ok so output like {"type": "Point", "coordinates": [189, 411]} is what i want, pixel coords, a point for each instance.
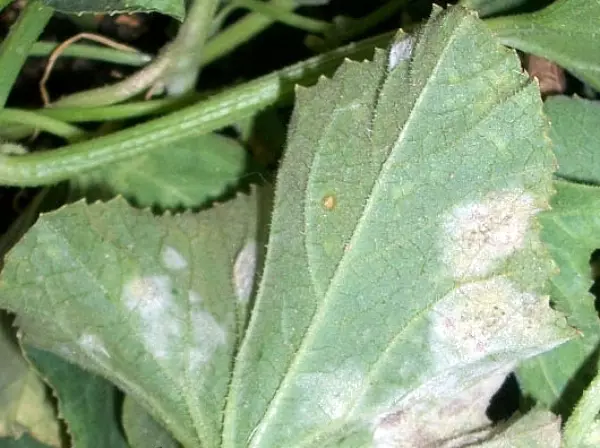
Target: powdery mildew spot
{"type": "Point", "coordinates": [170, 329]}
{"type": "Point", "coordinates": [93, 346]}
{"type": "Point", "coordinates": [172, 259]}
{"type": "Point", "coordinates": [207, 337]}
{"type": "Point", "coordinates": [400, 51]}
{"type": "Point", "coordinates": [479, 234]}
{"type": "Point", "coordinates": [244, 270]}
{"type": "Point", "coordinates": [152, 300]}
{"type": "Point", "coordinates": [483, 318]}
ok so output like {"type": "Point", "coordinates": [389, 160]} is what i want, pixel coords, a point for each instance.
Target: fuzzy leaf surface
{"type": "Point", "coordinates": [188, 173]}
{"type": "Point", "coordinates": [86, 401]}
{"type": "Point", "coordinates": [174, 8]}
{"type": "Point", "coordinates": [404, 261]}
{"type": "Point", "coordinates": [570, 230]}
{"type": "Point", "coordinates": [565, 32]}
{"type": "Point", "coordinates": [538, 428]}
{"type": "Point", "coordinates": [575, 134]}
{"type": "Point", "coordinates": [142, 430]}
{"type": "Point", "coordinates": [154, 304]}
{"type": "Point", "coordinates": [24, 404]}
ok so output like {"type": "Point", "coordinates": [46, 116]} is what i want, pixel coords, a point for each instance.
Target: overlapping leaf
{"type": "Point", "coordinates": [489, 7]}
{"type": "Point", "coordinates": [175, 8]}
{"type": "Point", "coordinates": [404, 261]}
{"type": "Point", "coordinates": [188, 173]}
{"type": "Point", "coordinates": [575, 134]}
{"type": "Point", "coordinates": [155, 304]}
{"type": "Point", "coordinates": [570, 230]}
{"type": "Point", "coordinates": [565, 32]}
{"type": "Point", "coordinates": [24, 404]}
{"type": "Point", "coordinates": [86, 401]}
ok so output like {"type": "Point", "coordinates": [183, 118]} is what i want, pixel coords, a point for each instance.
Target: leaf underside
{"type": "Point", "coordinates": [404, 263]}
{"type": "Point", "coordinates": [174, 8]}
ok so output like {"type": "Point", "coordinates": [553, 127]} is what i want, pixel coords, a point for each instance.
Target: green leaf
{"type": "Point", "coordinates": [155, 304]}
{"type": "Point", "coordinates": [575, 134]}
{"type": "Point", "coordinates": [488, 7]}
{"type": "Point", "coordinates": [174, 8]}
{"type": "Point", "coordinates": [26, 441]}
{"type": "Point", "coordinates": [24, 405]}
{"type": "Point", "coordinates": [188, 173]}
{"type": "Point", "coordinates": [86, 401]}
{"type": "Point", "coordinates": [404, 262]}
{"type": "Point", "coordinates": [565, 32]}
{"type": "Point", "coordinates": [538, 428]}
{"type": "Point", "coordinates": [142, 430]}
{"type": "Point", "coordinates": [570, 231]}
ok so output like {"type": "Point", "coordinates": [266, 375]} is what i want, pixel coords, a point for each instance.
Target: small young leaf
{"type": "Point", "coordinates": [24, 405]}
{"type": "Point", "coordinates": [188, 173]}
{"type": "Point", "coordinates": [575, 134]}
{"type": "Point", "coordinates": [565, 32]}
{"type": "Point", "coordinates": [404, 262]}
{"type": "Point", "coordinates": [174, 8]}
{"type": "Point", "coordinates": [142, 430]}
{"type": "Point", "coordinates": [155, 304]}
{"type": "Point", "coordinates": [570, 230]}
{"type": "Point", "coordinates": [85, 401]}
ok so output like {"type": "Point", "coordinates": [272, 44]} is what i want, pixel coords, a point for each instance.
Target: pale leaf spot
{"type": "Point", "coordinates": [93, 346]}
{"type": "Point", "coordinates": [244, 270]}
{"type": "Point", "coordinates": [172, 259]}
{"type": "Point", "coordinates": [477, 235]}
{"type": "Point", "coordinates": [160, 317]}
{"type": "Point", "coordinates": [400, 51]}
{"type": "Point", "coordinates": [194, 298]}
{"type": "Point", "coordinates": [208, 335]}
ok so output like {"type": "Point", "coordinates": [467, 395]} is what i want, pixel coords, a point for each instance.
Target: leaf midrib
{"type": "Point", "coordinates": [320, 313]}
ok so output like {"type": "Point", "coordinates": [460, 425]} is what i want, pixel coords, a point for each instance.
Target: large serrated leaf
{"type": "Point", "coordinates": [188, 173]}
{"type": "Point", "coordinates": [570, 230]}
{"type": "Point", "coordinates": [155, 304]}
{"type": "Point", "coordinates": [404, 260]}
{"type": "Point", "coordinates": [174, 8]}
{"type": "Point", "coordinates": [24, 404]}
{"type": "Point", "coordinates": [86, 401]}
{"type": "Point", "coordinates": [565, 32]}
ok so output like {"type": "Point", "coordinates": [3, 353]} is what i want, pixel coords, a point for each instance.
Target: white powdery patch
{"type": "Point", "coordinates": [400, 51]}
{"type": "Point", "coordinates": [207, 337]}
{"type": "Point", "coordinates": [244, 270]}
{"type": "Point", "coordinates": [488, 317]}
{"type": "Point", "coordinates": [172, 259]}
{"type": "Point", "coordinates": [161, 325]}
{"type": "Point", "coordinates": [93, 346]}
{"type": "Point", "coordinates": [194, 298]}
{"type": "Point", "coordinates": [477, 235]}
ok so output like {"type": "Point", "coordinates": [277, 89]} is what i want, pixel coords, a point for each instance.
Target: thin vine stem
{"type": "Point", "coordinates": [15, 47]}
{"type": "Point", "coordinates": [40, 122]}
{"type": "Point", "coordinates": [221, 110]}
{"type": "Point", "coordinates": [95, 52]}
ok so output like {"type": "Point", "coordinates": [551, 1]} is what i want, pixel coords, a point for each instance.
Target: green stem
{"type": "Point", "coordinates": [582, 418]}
{"type": "Point", "coordinates": [171, 60]}
{"type": "Point", "coordinates": [43, 123]}
{"type": "Point", "coordinates": [240, 32]}
{"type": "Point", "coordinates": [214, 113]}
{"type": "Point", "coordinates": [284, 15]}
{"type": "Point", "coordinates": [188, 48]}
{"type": "Point", "coordinates": [15, 47]}
{"type": "Point", "coordinates": [364, 24]}
{"type": "Point", "coordinates": [96, 52]}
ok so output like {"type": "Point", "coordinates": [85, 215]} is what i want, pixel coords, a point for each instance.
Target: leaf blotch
{"type": "Point", "coordinates": [329, 202]}
{"type": "Point", "coordinates": [477, 235]}
{"type": "Point", "coordinates": [172, 259]}
{"type": "Point", "coordinates": [244, 270]}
